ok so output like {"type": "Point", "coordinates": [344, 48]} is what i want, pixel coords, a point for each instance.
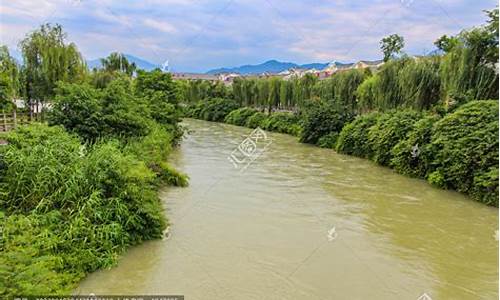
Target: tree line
{"type": "Point", "coordinates": [464, 67]}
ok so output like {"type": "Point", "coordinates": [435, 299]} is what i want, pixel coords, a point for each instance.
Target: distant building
{"type": "Point", "coordinates": [371, 64]}
{"type": "Point", "coordinates": [337, 66]}
{"type": "Point", "coordinates": [35, 107]}
{"type": "Point", "coordinates": [194, 76]}
{"type": "Point", "coordinates": [332, 68]}
{"type": "Point", "coordinates": [228, 78]}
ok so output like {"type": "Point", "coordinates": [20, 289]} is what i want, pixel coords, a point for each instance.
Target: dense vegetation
{"type": "Point", "coordinates": [465, 147]}
{"type": "Point", "coordinates": [226, 110]}
{"type": "Point", "coordinates": [215, 109]}
{"type": "Point", "coordinates": [419, 115]}
{"type": "Point", "coordinates": [78, 190]}
{"type": "Point", "coordinates": [458, 151]}
{"type": "Point", "coordinates": [322, 118]}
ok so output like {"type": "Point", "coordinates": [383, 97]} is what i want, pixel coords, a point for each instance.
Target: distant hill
{"type": "Point", "coordinates": [270, 66]}
{"type": "Point", "coordinates": [139, 62]}
{"type": "Point", "coordinates": [317, 66]}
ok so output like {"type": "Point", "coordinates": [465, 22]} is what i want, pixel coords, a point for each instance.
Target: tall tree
{"type": "Point", "coordinates": [469, 71]}
{"type": "Point", "coordinates": [446, 43]}
{"type": "Point", "coordinates": [118, 62]}
{"type": "Point", "coordinates": [9, 78]}
{"type": "Point", "coordinates": [47, 60]}
{"type": "Point", "coordinates": [392, 45]}
{"type": "Point", "coordinates": [274, 93]}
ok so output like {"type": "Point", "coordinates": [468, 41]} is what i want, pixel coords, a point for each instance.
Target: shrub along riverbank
{"type": "Point", "coordinates": [458, 150]}
{"type": "Point", "coordinates": [77, 193]}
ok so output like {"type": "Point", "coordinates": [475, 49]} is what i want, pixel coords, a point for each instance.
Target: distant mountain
{"type": "Point", "coordinates": [270, 66]}
{"type": "Point", "coordinates": [317, 66]}
{"type": "Point", "coordinates": [139, 62]}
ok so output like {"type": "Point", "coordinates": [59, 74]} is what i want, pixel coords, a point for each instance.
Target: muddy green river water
{"type": "Point", "coordinates": [302, 222]}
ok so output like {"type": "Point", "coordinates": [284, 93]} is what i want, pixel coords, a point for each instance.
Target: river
{"type": "Point", "coordinates": [302, 222]}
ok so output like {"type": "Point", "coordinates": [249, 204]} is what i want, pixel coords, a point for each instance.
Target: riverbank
{"type": "Point", "coordinates": [456, 150]}
{"type": "Point", "coordinates": [80, 190]}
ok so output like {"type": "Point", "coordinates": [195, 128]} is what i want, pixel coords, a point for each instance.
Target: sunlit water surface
{"type": "Point", "coordinates": [268, 232]}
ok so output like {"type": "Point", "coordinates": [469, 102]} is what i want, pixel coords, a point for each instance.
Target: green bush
{"type": "Point", "coordinates": [413, 155]}
{"type": "Point", "coordinates": [78, 108]}
{"type": "Point", "coordinates": [172, 176]}
{"type": "Point", "coordinates": [68, 209]}
{"type": "Point", "coordinates": [329, 140]}
{"type": "Point", "coordinates": [160, 93]}
{"type": "Point", "coordinates": [215, 109]}
{"type": "Point", "coordinates": [29, 263]}
{"type": "Point", "coordinates": [193, 110]}
{"type": "Point", "coordinates": [353, 139]}
{"type": "Point", "coordinates": [36, 163]}
{"type": "Point", "coordinates": [239, 116]}
{"type": "Point", "coordinates": [93, 114]}
{"type": "Point", "coordinates": [123, 114]}
{"type": "Point", "coordinates": [256, 120]}
{"type": "Point", "coordinates": [282, 122]}
{"type": "Point", "coordinates": [389, 129]}
{"type": "Point", "coordinates": [466, 147]}
{"type": "Point", "coordinates": [322, 119]}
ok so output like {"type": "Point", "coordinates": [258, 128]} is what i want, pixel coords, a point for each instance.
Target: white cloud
{"type": "Point", "coordinates": [26, 8]}
{"type": "Point", "coordinates": [160, 25]}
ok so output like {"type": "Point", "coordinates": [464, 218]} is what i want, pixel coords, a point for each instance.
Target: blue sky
{"type": "Point", "coordinates": [199, 35]}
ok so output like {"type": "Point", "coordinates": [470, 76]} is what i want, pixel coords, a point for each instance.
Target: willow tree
{"type": "Point", "coordinates": [469, 70]}
{"type": "Point", "coordinates": [273, 100]}
{"type": "Point", "coordinates": [48, 58]}
{"type": "Point", "coordinates": [419, 83]}
{"type": "Point", "coordinates": [286, 94]}
{"type": "Point", "coordinates": [117, 62]}
{"type": "Point", "coordinates": [263, 92]}
{"type": "Point", "coordinates": [237, 87]}
{"type": "Point", "coordinates": [9, 78]}
{"type": "Point", "coordinates": [306, 84]}
{"type": "Point", "coordinates": [341, 88]}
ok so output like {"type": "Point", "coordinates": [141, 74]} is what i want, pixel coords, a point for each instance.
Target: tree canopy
{"type": "Point", "coordinates": [392, 45]}
{"type": "Point", "coordinates": [9, 78]}
{"type": "Point", "coordinates": [47, 59]}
